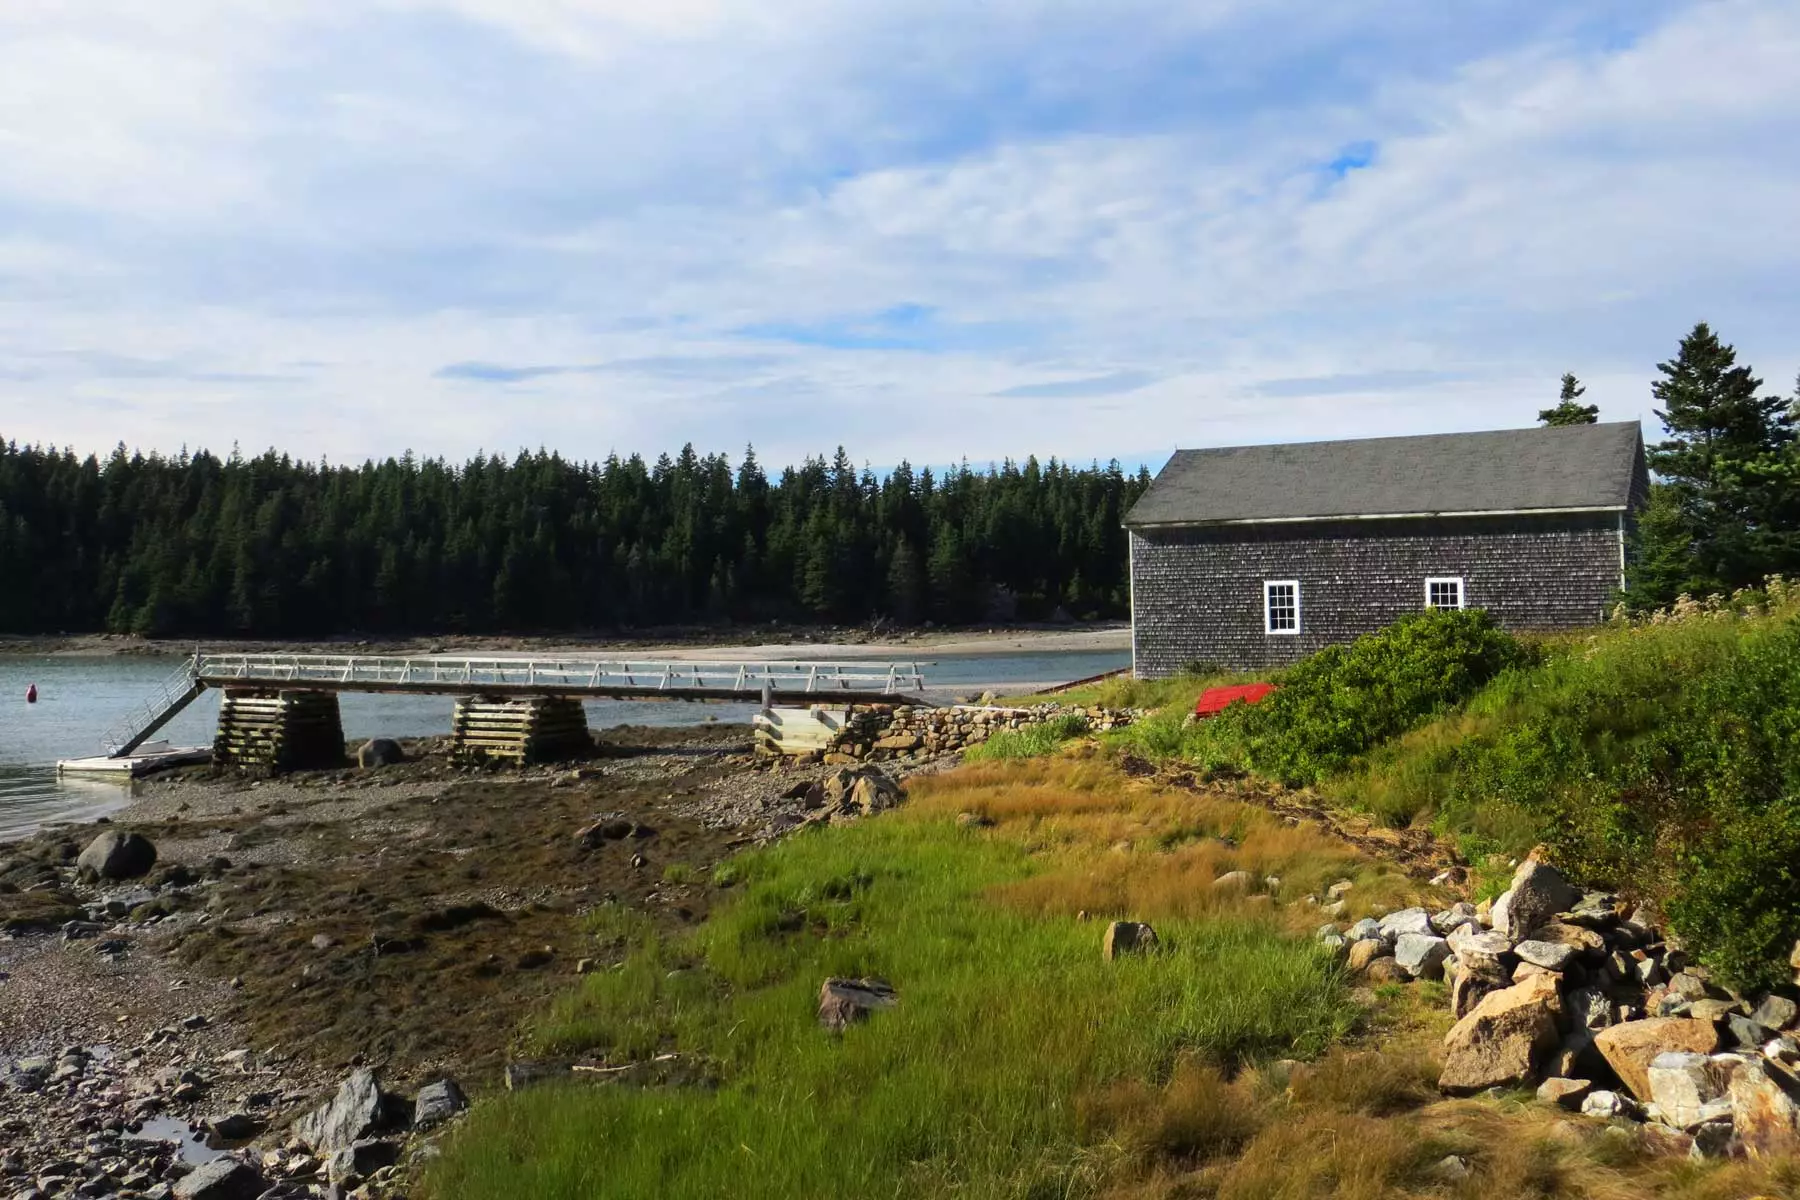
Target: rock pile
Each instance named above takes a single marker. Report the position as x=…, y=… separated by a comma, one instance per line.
x=846, y=795
x=881, y=732
x=1583, y=997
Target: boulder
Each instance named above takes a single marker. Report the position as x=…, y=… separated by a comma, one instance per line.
x=1504, y=1039
x=1368, y=927
x=1407, y=920
x=1385, y=970
x=1777, y=1012
x=220, y=1179
x=1484, y=953
x=1684, y=1086
x=1539, y=892
x=1746, y=1033
x=1466, y=990
x=1609, y=1104
x=117, y=854
x=1629, y=1048
x=1591, y=1008
x=437, y=1102
x=1457, y=915
x=1241, y=881
x=1765, y=1112
x=1582, y=940
x=380, y=752
x=1365, y=952
x=361, y=1159
x=359, y=1109
x=1127, y=937
x=232, y=1126
x=1551, y=956
x=1421, y=955
x=843, y=1002
x=1565, y=1093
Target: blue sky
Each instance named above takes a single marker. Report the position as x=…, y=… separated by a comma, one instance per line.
x=920, y=229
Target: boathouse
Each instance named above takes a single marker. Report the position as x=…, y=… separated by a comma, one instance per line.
x=1253, y=556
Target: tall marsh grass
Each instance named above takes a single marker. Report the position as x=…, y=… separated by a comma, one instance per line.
x=1007, y=1013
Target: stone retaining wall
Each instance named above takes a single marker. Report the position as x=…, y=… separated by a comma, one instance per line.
x=880, y=732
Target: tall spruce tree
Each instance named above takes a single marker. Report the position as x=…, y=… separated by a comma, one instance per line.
x=1567, y=411
x=1724, y=517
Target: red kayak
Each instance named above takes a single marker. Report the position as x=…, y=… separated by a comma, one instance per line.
x=1214, y=701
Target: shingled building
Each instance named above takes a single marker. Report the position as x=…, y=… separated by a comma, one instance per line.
x=1254, y=556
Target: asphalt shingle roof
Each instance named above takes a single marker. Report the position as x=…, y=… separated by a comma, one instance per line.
x=1504, y=470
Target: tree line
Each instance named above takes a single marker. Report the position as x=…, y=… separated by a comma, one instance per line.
x=1724, y=505
x=199, y=545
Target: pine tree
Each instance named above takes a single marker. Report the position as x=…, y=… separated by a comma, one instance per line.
x=1725, y=518
x=1567, y=411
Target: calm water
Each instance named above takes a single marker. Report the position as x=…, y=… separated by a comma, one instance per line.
x=80, y=699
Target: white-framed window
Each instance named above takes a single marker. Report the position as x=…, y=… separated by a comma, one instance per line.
x=1444, y=591
x=1281, y=606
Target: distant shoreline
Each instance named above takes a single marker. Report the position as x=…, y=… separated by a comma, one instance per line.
x=731, y=643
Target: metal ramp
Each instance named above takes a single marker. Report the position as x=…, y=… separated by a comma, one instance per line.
x=577, y=677
x=172, y=695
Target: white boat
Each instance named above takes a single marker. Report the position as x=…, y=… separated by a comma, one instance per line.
x=151, y=756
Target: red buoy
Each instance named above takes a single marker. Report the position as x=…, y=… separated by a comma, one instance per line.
x=31, y=694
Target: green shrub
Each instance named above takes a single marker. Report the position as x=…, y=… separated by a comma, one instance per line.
x=1337, y=704
x=1033, y=741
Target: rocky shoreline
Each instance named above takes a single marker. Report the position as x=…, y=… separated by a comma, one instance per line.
x=167, y=1034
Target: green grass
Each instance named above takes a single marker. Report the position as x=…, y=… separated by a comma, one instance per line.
x=1007, y=1018
x=1033, y=741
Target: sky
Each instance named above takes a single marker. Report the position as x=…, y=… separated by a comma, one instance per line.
x=919, y=229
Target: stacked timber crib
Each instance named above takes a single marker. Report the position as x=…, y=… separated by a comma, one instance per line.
x=880, y=732
x=534, y=729
x=279, y=731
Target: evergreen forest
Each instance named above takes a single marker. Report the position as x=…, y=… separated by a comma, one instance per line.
x=198, y=545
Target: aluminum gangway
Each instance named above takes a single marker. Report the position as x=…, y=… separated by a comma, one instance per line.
x=765, y=681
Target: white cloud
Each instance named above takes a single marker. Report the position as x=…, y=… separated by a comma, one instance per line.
x=873, y=223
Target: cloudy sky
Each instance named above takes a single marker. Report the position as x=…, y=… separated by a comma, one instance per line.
x=923, y=229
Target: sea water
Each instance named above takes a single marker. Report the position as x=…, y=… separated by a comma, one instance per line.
x=81, y=698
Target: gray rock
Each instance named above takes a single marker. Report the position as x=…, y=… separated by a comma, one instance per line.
x=1565, y=1093
x=380, y=752
x=1551, y=956
x=438, y=1102
x=1121, y=938
x=1682, y=1084
x=1242, y=881
x=221, y=1179
x=1368, y=927
x=843, y=1002
x=1777, y=1012
x=1454, y=918
x=1486, y=954
x=1407, y=920
x=359, y=1108
x=1609, y=1104
x=233, y=1126
x=1591, y=1008
x=1712, y=1139
x=1539, y=891
x=1747, y=1032
x=1421, y=955
x=361, y=1159
x=117, y=854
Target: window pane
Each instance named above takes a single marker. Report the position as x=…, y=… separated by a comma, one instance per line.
x=1283, y=607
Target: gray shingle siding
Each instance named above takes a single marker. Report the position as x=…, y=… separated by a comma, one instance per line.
x=1197, y=592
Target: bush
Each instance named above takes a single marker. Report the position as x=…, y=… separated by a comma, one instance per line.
x=1336, y=705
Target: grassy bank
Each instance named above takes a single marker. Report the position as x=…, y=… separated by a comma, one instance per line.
x=991, y=1076
x=1659, y=757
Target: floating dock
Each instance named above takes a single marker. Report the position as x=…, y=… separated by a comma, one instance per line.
x=146, y=759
